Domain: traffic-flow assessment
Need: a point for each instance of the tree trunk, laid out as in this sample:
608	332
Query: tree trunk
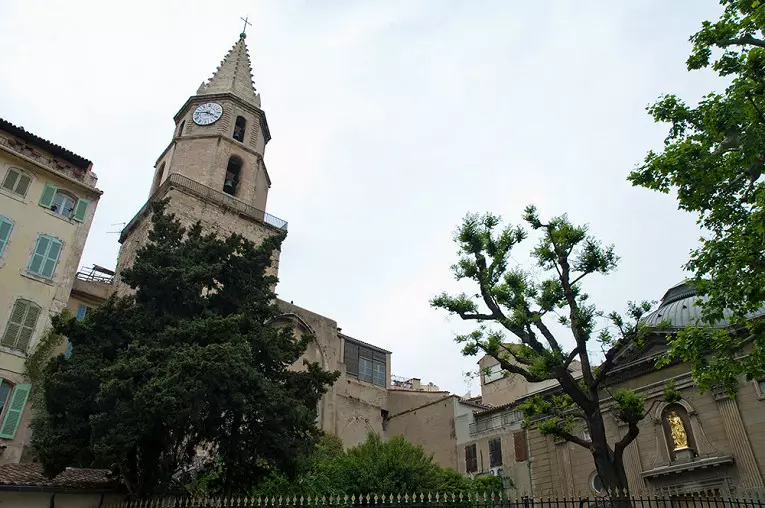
609	466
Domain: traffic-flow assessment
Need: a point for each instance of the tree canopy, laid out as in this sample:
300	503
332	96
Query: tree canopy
513	307
713	157
193	362
395	466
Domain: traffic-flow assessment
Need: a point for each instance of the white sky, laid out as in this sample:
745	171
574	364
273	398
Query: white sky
390	119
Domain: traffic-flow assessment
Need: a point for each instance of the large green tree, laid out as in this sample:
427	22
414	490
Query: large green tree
194	360
515	308
713	157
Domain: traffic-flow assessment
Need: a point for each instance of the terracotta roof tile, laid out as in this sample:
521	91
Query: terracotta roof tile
59	150
31	475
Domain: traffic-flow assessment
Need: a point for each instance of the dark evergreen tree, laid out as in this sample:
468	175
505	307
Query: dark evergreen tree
192	361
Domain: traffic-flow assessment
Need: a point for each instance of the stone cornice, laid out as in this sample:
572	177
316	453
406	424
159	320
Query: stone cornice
219	136
37	160
194	99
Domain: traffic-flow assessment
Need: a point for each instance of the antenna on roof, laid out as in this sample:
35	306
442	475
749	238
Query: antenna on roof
117	224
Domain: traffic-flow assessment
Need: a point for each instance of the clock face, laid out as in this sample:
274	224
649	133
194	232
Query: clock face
205	114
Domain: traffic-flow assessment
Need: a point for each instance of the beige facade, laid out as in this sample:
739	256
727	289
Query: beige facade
726	436
48	197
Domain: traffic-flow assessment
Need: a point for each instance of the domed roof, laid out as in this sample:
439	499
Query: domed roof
680	308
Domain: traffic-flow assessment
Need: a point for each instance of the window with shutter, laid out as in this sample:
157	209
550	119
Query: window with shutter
16	182
365	370
21	325
471	459
495	452
519	442
351	359
6	227
45	257
15	410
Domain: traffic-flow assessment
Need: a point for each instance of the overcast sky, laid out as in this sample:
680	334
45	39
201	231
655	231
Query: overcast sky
390	120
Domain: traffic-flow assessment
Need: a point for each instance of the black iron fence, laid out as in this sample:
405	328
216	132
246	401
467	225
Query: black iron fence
754	499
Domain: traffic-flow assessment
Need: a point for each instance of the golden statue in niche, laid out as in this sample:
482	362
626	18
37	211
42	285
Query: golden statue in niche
677	430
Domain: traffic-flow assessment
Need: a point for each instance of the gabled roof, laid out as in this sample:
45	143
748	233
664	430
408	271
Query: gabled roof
57	150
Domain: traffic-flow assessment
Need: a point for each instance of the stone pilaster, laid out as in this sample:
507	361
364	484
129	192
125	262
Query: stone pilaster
749	473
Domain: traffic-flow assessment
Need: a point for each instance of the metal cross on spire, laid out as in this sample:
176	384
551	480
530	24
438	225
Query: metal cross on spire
246	22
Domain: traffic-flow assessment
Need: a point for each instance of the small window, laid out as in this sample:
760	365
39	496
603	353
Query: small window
5	392
233	170
45	257
378	373
596	484
16	182
495	452
63	204
180	129
760	383
365	369
471	459
81	311
158	177
239	128
21	325
6	227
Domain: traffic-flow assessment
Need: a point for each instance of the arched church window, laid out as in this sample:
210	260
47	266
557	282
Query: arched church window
677	431
180	129
233	170
158	177
239	128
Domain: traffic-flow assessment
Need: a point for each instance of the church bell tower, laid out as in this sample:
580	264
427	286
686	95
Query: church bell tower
213	169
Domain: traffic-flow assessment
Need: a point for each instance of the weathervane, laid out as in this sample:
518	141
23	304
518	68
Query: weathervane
243	34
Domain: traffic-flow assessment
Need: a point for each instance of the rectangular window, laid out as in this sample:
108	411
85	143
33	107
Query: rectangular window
45	257
81	311
495	452
351	359
471	459
5	391
378	373
16	182
519	442
365	363
80	209
761	382
6	227
21	325
15	410
365	369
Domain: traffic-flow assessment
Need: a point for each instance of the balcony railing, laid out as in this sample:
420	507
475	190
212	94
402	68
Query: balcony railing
96	274
209	194
494	422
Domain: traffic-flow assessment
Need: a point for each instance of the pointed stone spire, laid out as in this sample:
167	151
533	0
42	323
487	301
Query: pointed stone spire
234	75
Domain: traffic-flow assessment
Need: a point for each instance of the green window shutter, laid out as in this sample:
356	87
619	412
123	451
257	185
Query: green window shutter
81	209
6	227
9	182
51	258
49	192
15	410
38	256
18	313
28	328
23	185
